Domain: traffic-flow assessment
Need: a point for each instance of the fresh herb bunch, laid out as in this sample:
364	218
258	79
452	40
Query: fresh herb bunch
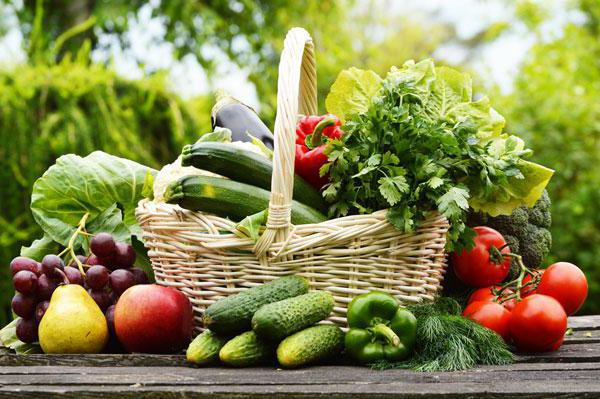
446	341
422	145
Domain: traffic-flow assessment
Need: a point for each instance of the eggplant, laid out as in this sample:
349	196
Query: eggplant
241	119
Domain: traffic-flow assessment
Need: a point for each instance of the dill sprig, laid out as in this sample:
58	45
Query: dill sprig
446	341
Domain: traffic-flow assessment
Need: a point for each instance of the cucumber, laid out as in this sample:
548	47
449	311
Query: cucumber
247	167
232	315
230	199
205	348
314	344
277	320
246	350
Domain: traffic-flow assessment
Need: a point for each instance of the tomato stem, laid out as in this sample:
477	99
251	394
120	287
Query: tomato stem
496	255
518	282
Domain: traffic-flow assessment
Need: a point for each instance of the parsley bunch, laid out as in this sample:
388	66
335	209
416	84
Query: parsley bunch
418	148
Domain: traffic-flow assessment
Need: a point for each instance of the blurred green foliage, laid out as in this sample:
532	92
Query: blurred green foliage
74	107
250	33
555	107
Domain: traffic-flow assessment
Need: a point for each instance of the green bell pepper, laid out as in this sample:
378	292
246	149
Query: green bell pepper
380	329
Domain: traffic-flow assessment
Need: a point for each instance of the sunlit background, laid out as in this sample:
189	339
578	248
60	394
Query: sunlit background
134	78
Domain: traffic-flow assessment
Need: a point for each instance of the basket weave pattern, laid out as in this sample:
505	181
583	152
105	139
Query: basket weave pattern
203	256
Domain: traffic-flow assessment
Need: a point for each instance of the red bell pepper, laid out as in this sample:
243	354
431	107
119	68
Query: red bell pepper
312	132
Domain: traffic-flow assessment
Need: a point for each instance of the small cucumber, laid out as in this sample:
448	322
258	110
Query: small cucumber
278	320
230	199
233	314
247	167
205	348
308	346
247	350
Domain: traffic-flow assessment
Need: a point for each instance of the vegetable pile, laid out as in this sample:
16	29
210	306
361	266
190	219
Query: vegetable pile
267	322
525	230
446	341
531	310
416	142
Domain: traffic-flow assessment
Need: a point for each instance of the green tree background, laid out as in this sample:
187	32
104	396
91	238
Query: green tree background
59	101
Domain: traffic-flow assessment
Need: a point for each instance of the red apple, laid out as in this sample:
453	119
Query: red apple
153	319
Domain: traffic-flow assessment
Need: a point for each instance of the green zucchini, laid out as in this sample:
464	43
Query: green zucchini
312	345
247	350
278	320
232	314
247	167
205	348
230	199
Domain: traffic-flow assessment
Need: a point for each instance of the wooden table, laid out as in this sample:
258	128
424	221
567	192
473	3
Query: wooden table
573	371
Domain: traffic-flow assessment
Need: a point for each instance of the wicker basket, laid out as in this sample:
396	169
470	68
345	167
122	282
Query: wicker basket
201	255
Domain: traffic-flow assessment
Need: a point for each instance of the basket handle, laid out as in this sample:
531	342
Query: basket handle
296	94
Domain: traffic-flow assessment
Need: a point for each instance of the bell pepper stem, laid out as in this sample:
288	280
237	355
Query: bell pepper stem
317	135
384	331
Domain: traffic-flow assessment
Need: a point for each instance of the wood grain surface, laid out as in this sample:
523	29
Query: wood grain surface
571	372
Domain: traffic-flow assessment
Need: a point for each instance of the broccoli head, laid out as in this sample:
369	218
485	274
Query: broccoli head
525	230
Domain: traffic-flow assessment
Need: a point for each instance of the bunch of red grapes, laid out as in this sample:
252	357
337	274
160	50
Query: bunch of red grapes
109	271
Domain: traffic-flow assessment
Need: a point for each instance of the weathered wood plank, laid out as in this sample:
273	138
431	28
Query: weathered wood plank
573	371
324	376
582	346
583	337
395	389
567	353
315	373
586	330
577	351
97	360
584	322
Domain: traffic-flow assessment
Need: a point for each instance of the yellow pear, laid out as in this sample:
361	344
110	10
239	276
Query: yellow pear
73	323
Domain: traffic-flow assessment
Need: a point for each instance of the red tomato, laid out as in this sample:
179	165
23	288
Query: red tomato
487	295
530	290
537	324
555	345
566	283
475	267
482	294
491	315
510	304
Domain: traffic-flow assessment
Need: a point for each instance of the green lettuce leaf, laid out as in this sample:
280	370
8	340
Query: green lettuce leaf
267	152
105	186
419	75
40	248
219	134
251	225
352	92
521	192
448	94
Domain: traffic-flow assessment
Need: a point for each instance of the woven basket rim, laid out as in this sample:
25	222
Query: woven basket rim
144	203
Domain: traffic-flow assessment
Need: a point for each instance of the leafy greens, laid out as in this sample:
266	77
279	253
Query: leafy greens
105	186
421	144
